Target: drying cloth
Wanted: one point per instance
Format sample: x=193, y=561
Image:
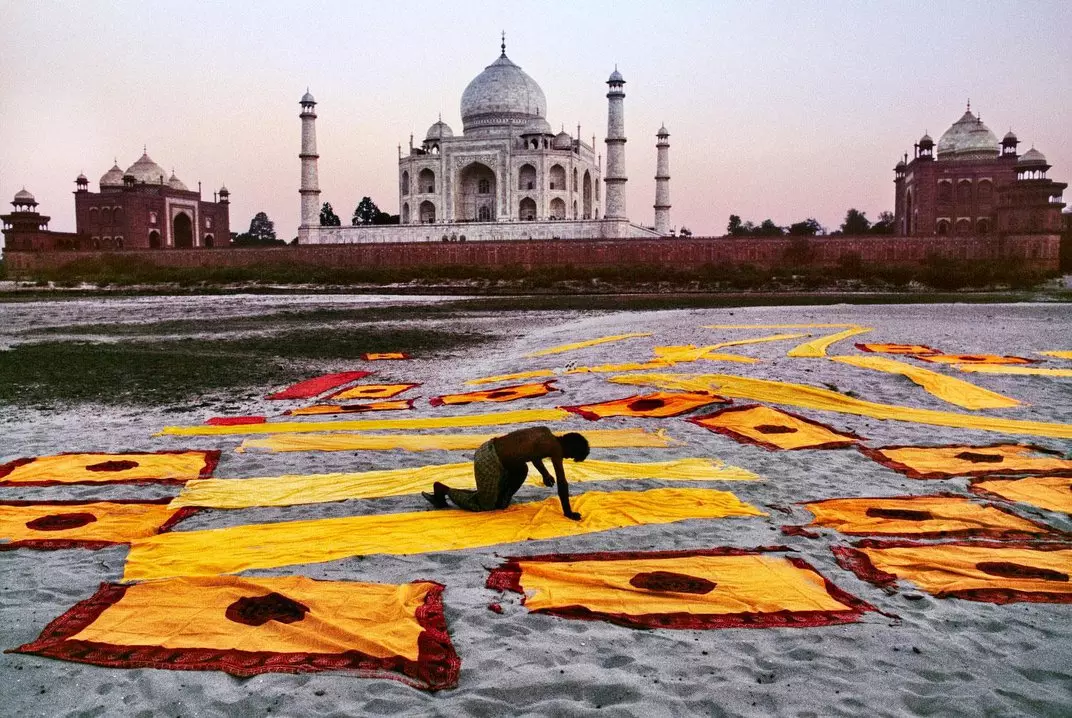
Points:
x=582, y=345
x=978, y=571
x=944, y=462
x=520, y=416
x=1060, y=354
x=318, y=488
x=604, y=439
x=535, y=374
x=913, y=349
x=817, y=347
x=626, y=366
x=502, y=393
x=810, y=397
x=132, y=467
x=659, y=404
x=689, y=353
x=1053, y=493
x=921, y=517
x=241, y=548
x=246, y=626
x=973, y=359
x=946, y=388
x=383, y=356
x=234, y=420
x=318, y=385
x=701, y=589
x=321, y=409
x=774, y=429
x=372, y=391
x=1007, y=369
x=83, y=524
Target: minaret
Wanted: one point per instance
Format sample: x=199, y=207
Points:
x=662, y=182
x=614, y=207
x=310, y=185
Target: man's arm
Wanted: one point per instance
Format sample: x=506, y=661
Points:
x=548, y=480
x=563, y=490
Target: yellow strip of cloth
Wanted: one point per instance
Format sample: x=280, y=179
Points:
x=911, y=349
x=241, y=548
x=599, y=439
x=320, y=409
x=1053, y=493
x=92, y=521
x=813, y=349
x=943, y=462
x=100, y=468
x=535, y=374
x=918, y=515
x=669, y=355
x=811, y=397
x=773, y=429
x=585, y=344
x=1012, y=369
x=290, y=490
x=1059, y=354
x=373, y=391
x=947, y=388
x=982, y=359
x=520, y=416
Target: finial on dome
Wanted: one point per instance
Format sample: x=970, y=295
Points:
x=503, y=45
x=440, y=116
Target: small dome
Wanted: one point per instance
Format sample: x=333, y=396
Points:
x=926, y=140
x=968, y=138
x=562, y=141
x=81, y=178
x=24, y=197
x=900, y=165
x=616, y=77
x=176, y=183
x=662, y=132
x=1032, y=157
x=439, y=131
x=224, y=191
x=1010, y=136
x=499, y=94
x=146, y=171
x=112, y=178
x=307, y=98
x=537, y=126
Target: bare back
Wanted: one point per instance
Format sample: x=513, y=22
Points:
x=526, y=445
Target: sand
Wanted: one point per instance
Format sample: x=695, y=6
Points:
x=941, y=658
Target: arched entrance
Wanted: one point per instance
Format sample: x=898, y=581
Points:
x=182, y=231
x=154, y=240
x=405, y=213
x=908, y=229
x=209, y=240
x=526, y=178
x=476, y=190
x=558, y=208
x=427, y=210
x=586, y=194
x=526, y=211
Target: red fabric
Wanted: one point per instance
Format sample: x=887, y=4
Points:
x=235, y=420
x=212, y=460
x=876, y=455
x=63, y=544
x=850, y=437
x=318, y=385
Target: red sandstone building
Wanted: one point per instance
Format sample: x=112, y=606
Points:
x=974, y=186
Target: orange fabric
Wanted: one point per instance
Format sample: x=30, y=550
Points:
x=585, y=344
x=318, y=385
x=92, y=522
x=992, y=359
x=943, y=462
x=372, y=391
x=919, y=516
x=381, y=356
x=320, y=409
x=102, y=468
x=913, y=349
x=658, y=404
x=535, y=374
x=503, y=393
x=773, y=429
x=1053, y=493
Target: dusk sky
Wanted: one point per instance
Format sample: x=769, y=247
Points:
x=775, y=109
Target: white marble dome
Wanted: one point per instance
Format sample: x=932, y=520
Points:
x=499, y=94
x=1032, y=157
x=112, y=178
x=562, y=141
x=537, y=126
x=439, y=131
x=23, y=196
x=968, y=138
x=176, y=183
x=146, y=171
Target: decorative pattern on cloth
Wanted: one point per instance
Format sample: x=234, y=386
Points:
x=320, y=488
x=247, y=626
x=700, y=589
x=1007, y=369
x=811, y=397
x=602, y=439
x=935, y=516
x=1059, y=354
x=911, y=349
x=657, y=405
x=774, y=429
x=946, y=388
x=1053, y=493
x=384, y=356
x=946, y=462
x=321, y=409
x=986, y=571
x=235, y=420
x=520, y=416
x=318, y=385
x=535, y=374
x=502, y=393
x=241, y=548
x=973, y=359
x=132, y=467
x=585, y=344
x=373, y=391
x=83, y=524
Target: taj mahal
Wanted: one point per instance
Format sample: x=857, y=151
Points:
x=507, y=176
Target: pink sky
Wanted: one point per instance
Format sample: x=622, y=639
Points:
x=775, y=109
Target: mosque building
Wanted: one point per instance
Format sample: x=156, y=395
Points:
x=508, y=175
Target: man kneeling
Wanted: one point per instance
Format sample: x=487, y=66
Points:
x=501, y=466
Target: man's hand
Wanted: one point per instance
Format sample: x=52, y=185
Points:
x=548, y=481
x=572, y=515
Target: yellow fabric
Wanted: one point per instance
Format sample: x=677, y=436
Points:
x=535, y=374
x=599, y=439
x=759, y=584
x=777, y=326
x=817, y=347
x=674, y=403
x=1053, y=493
x=241, y=548
x=373, y=391
x=377, y=619
x=503, y=393
x=811, y=397
x=941, y=568
x=1060, y=354
x=745, y=425
x=292, y=490
x=947, y=513
x=1010, y=369
x=691, y=353
x=114, y=522
x=72, y=468
x=627, y=366
x=946, y=388
x=582, y=345
x=520, y=416
x=320, y=409
x=943, y=459
x=379, y=356
x=991, y=359
x=912, y=349
x=669, y=355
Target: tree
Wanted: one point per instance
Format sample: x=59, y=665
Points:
x=768, y=229
x=734, y=228
x=365, y=212
x=261, y=229
x=856, y=222
x=884, y=225
x=328, y=218
x=808, y=228
x=684, y=232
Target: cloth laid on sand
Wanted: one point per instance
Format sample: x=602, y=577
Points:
x=291, y=490
x=372, y=391
x=502, y=393
x=947, y=388
x=520, y=416
x=811, y=397
x=935, y=516
x=699, y=589
x=83, y=524
x=235, y=420
x=669, y=355
x=600, y=439
x=773, y=429
x=659, y=404
x=989, y=571
x=1059, y=354
x=241, y=548
x=1053, y=493
x=173, y=467
x=992, y=359
x=247, y=626
x=912, y=349
x=384, y=356
x=318, y=385
x=944, y=462
x=321, y=409
x=817, y=347
x=585, y=344
x=535, y=374
x=1007, y=369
